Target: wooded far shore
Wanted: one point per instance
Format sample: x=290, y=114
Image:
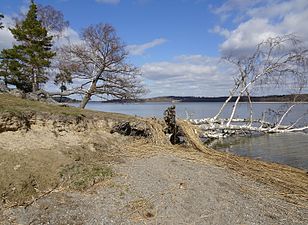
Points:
x=270, y=98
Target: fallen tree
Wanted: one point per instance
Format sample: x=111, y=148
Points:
x=275, y=62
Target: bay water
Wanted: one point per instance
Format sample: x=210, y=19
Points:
x=290, y=149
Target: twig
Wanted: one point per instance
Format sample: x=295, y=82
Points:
x=29, y=203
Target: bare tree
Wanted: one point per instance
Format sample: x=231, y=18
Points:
x=1, y=17
x=275, y=62
x=51, y=18
x=99, y=64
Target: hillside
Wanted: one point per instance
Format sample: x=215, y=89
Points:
x=63, y=165
x=271, y=98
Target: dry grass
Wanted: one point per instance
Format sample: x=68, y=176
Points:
x=289, y=182
x=11, y=104
x=97, y=148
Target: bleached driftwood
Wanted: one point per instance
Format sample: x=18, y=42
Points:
x=273, y=61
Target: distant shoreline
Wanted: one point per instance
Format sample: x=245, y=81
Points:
x=302, y=98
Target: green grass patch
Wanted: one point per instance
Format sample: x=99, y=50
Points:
x=18, y=106
x=80, y=176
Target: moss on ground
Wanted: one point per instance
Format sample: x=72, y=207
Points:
x=79, y=176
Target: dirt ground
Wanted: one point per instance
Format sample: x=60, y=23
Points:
x=67, y=168
x=164, y=189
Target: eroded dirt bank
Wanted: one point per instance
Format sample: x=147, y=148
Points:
x=63, y=166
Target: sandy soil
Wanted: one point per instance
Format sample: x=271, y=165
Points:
x=164, y=189
x=64, y=166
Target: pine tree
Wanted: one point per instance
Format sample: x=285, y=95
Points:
x=26, y=62
x=63, y=78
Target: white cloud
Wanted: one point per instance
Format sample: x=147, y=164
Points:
x=226, y=10
x=7, y=40
x=241, y=5
x=108, y=1
x=188, y=75
x=259, y=19
x=67, y=36
x=6, y=37
x=140, y=49
x=221, y=31
x=247, y=35
x=278, y=8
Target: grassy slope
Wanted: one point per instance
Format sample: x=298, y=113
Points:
x=9, y=103
x=37, y=160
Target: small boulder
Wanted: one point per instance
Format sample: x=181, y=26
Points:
x=137, y=129
x=32, y=96
x=17, y=93
x=3, y=87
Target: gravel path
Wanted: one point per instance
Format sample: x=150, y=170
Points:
x=164, y=189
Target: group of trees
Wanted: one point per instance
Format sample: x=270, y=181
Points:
x=97, y=63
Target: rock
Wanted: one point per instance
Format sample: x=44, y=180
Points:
x=12, y=122
x=41, y=96
x=52, y=101
x=32, y=96
x=131, y=129
x=17, y=93
x=3, y=87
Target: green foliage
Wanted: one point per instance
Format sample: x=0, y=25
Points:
x=63, y=78
x=25, y=64
x=81, y=176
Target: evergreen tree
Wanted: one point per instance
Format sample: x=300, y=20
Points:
x=26, y=63
x=62, y=79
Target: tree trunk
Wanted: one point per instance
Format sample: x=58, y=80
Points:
x=34, y=87
x=85, y=100
x=222, y=108
x=34, y=82
x=88, y=95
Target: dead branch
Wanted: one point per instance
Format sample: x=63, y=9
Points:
x=275, y=61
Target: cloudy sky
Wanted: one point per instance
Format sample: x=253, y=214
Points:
x=178, y=43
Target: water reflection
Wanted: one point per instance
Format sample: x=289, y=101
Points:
x=290, y=149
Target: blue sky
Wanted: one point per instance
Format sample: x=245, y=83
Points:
x=183, y=24
x=178, y=43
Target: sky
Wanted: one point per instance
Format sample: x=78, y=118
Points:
x=178, y=44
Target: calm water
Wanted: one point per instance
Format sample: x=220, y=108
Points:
x=291, y=149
